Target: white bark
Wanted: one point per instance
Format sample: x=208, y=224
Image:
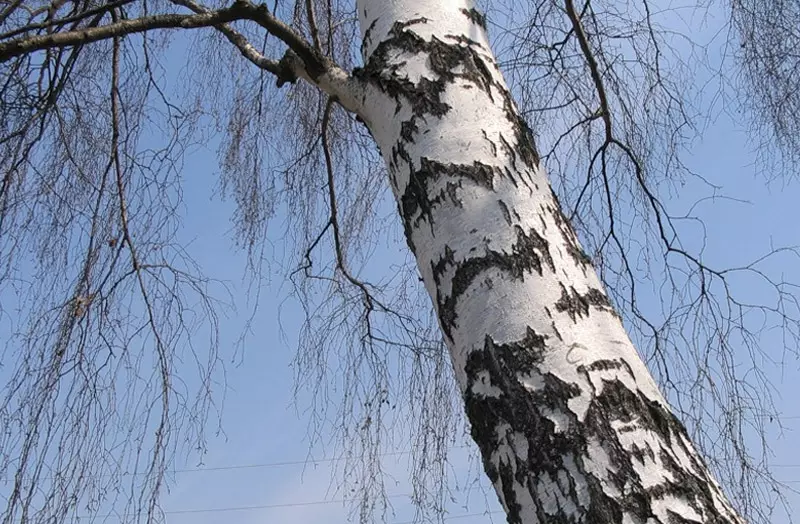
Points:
x=570, y=423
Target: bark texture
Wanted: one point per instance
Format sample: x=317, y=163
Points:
x=570, y=423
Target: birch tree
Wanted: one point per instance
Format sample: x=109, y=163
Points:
x=570, y=424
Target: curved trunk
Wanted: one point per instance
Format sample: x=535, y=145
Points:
x=570, y=423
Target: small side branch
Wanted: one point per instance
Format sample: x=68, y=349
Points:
x=237, y=39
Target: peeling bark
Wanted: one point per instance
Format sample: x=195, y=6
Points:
x=570, y=423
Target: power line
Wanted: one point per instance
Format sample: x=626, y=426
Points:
x=275, y=506
x=234, y=508
x=311, y=503
x=306, y=504
x=293, y=462
x=310, y=462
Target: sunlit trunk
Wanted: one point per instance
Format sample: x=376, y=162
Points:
x=571, y=425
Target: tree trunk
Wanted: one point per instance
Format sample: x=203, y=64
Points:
x=570, y=423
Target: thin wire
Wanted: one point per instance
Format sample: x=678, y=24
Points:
x=309, y=503
x=274, y=506
x=309, y=462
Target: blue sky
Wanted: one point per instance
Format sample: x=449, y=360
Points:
x=263, y=461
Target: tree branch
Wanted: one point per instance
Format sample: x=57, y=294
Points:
x=301, y=60
x=594, y=69
x=24, y=45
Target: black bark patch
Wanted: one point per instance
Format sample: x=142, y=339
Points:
x=578, y=255
x=443, y=58
x=425, y=96
x=399, y=152
x=461, y=39
x=368, y=36
x=522, y=411
x=577, y=305
x=476, y=17
x=491, y=143
x=407, y=129
x=522, y=356
x=529, y=254
x=408, y=232
x=510, y=176
x=603, y=365
x=442, y=264
x=513, y=508
x=555, y=330
x=510, y=151
x=418, y=202
x=574, y=250
x=504, y=210
x=525, y=143
x=399, y=26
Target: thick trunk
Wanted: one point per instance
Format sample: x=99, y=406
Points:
x=571, y=425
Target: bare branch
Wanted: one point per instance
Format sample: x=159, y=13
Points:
x=22, y=46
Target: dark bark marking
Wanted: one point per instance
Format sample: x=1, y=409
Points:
x=408, y=128
x=491, y=143
x=417, y=199
x=604, y=365
x=368, y=34
x=509, y=151
x=476, y=17
x=399, y=26
x=555, y=330
x=574, y=250
x=577, y=305
x=513, y=508
x=579, y=256
x=443, y=59
x=622, y=404
x=510, y=176
x=441, y=265
x=408, y=232
x=425, y=96
x=514, y=153
x=504, y=210
x=525, y=143
x=529, y=254
x=461, y=39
